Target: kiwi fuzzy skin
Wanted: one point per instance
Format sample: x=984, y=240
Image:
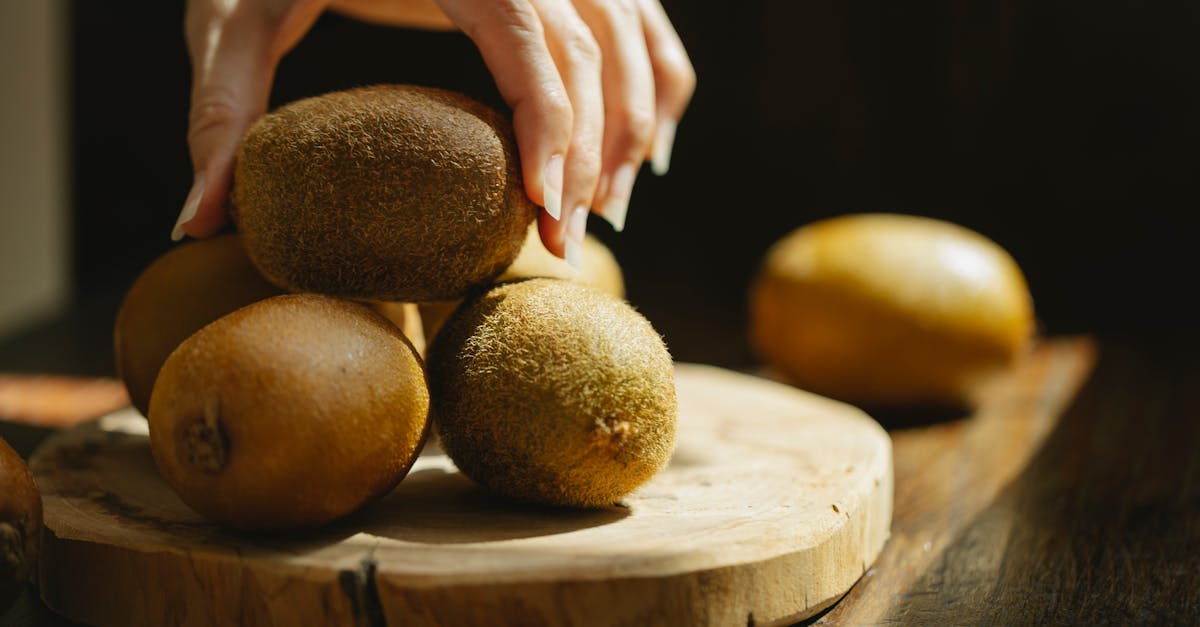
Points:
x=175, y=296
x=289, y=413
x=390, y=192
x=551, y=392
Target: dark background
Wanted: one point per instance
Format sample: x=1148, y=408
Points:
x=1065, y=131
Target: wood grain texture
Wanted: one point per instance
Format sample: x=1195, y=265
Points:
x=775, y=503
x=949, y=471
x=1058, y=502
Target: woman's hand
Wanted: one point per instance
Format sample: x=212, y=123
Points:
x=596, y=87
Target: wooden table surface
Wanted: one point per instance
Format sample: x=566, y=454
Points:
x=1049, y=505
x=1072, y=496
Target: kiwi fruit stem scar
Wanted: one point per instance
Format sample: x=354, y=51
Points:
x=611, y=433
x=205, y=440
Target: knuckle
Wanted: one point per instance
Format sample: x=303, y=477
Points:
x=581, y=47
x=506, y=17
x=622, y=10
x=557, y=108
x=678, y=75
x=585, y=152
x=686, y=79
x=637, y=127
x=215, y=109
x=544, y=111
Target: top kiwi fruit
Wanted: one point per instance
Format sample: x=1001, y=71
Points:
x=887, y=310
x=391, y=192
x=553, y=392
x=20, y=524
x=289, y=413
x=183, y=290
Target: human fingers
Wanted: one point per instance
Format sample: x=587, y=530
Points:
x=629, y=101
x=235, y=48
x=577, y=58
x=674, y=80
x=512, y=40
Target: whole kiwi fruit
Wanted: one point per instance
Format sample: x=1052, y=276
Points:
x=600, y=270
x=20, y=524
x=391, y=193
x=887, y=310
x=289, y=413
x=552, y=392
x=180, y=292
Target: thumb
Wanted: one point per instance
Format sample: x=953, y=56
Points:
x=233, y=64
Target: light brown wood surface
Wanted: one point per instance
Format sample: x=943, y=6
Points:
x=774, y=504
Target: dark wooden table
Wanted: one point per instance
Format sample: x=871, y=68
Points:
x=1071, y=496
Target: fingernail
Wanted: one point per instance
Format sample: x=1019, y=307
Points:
x=189, y=208
x=617, y=203
x=664, y=141
x=574, y=254
x=552, y=184
x=577, y=224
x=573, y=244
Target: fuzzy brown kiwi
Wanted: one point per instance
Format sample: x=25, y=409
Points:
x=553, y=392
x=391, y=192
x=289, y=413
x=600, y=270
x=180, y=292
x=20, y=524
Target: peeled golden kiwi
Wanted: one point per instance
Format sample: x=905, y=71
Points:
x=600, y=270
x=553, y=392
x=289, y=413
x=392, y=192
x=890, y=310
x=185, y=289
x=20, y=524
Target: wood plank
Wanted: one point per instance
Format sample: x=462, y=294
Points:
x=1056, y=503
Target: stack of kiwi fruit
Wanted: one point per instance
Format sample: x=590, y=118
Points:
x=386, y=275
x=282, y=367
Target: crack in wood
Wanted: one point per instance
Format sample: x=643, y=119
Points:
x=360, y=588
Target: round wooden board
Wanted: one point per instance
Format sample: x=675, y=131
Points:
x=774, y=504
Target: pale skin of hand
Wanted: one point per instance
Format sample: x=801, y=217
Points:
x=596, y=87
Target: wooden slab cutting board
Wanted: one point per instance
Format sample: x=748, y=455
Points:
x=775, y=502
